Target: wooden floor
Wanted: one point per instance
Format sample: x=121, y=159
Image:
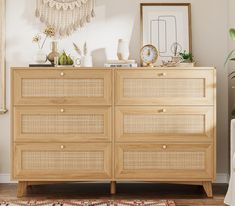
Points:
x=183, y=195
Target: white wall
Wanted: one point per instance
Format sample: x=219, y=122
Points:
x=120, y=19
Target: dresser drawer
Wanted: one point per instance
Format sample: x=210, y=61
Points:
x=159, y=162
x=62, y=124
x=62, y=162
x=67, y=87
x=152, y=123
x=164, y=87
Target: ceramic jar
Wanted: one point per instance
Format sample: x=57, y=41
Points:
x=86, y=61
x=123, y=50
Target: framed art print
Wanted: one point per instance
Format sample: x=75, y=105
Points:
x=167, y=26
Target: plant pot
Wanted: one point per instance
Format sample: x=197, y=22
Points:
x=187, y=64
x=86, y=61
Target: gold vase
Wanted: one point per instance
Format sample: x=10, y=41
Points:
x=54, y=52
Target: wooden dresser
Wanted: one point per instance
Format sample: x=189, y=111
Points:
x=114, y=125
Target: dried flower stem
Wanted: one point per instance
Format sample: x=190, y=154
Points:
x=85, y=49
x=44, y=42
x=77, y=49
x=49, y=32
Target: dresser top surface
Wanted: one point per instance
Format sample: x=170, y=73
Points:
x=105, y=68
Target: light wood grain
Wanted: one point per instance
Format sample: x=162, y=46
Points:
x=62, y=87
x=215, y=123
x=62, y=124
x=113, y=127
x=129, y=135
x=113, y=188
x=164, y=87
x=164, y=161
x=21, y=190
x=208, y=188
x=59, y=162
x=155, y=123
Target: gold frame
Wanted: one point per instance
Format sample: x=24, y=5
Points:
x=167, y=4
x=3, y=109
x=148, y=64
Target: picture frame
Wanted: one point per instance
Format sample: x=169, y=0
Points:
x=3, y=108
x=167, y=26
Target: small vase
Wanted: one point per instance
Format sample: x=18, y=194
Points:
x=54, y=53
x=86, y=61
x=123, y=50
x=40, y=57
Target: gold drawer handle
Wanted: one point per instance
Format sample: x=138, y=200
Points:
x=163, y=111
x=164, y=147
x=62, y=110
x=162, y=74
x=62, y=147
x=62, y=74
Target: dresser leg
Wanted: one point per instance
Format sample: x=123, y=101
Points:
x=208, y=188
x=21, y=189
x=113, y=188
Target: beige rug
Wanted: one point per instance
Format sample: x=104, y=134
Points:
x=87, y=203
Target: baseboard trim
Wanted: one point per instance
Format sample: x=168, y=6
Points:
x=221, y=178
x=6, y=178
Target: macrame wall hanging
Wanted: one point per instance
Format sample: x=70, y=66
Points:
x=65, y=16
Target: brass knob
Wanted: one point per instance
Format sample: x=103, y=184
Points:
x=163, y=110
x=62, y=147
x=164, y=147
x=162, y=74
x=62, y=110
x=62, y=74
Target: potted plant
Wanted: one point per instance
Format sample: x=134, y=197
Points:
x=85, y=58
x=186, y=59
x=231, y=58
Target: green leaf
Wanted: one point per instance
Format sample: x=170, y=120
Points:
x=231, y=74
x=232, y=33
x=229, y=57
x=186, y=56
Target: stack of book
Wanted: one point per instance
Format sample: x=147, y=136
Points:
x=121, y=64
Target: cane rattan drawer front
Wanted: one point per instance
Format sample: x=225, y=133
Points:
x=62, y=124
x=159, y=162
x=151, y=123
x=164, y=87
x=62, y=161
x=66, y=87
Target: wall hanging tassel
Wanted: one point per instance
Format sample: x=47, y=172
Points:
x=65, y=16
